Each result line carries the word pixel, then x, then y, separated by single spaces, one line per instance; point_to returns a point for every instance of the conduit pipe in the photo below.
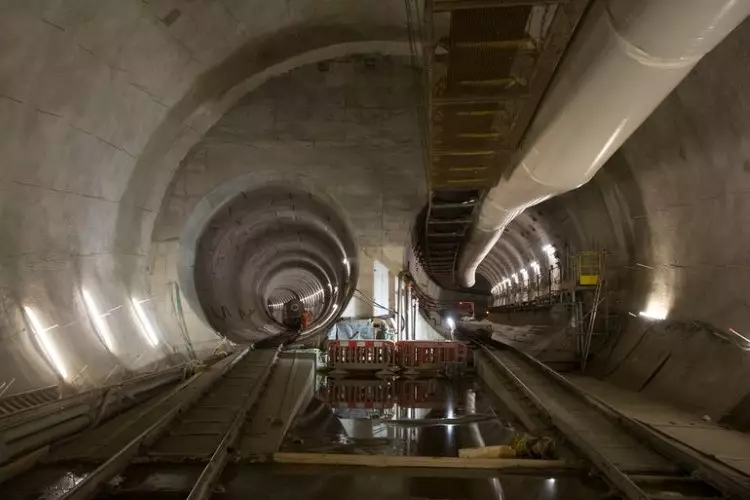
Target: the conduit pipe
pixel 626 58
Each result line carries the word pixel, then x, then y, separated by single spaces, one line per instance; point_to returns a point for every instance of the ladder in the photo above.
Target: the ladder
pixel 586 347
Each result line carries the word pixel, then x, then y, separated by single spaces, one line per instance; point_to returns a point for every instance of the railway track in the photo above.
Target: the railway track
pixel 241 408
pixel 636 461
pixel 219 415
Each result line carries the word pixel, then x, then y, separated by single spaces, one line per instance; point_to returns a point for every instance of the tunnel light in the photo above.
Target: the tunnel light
pixel 100 324
pixel 53 355
pixel 745 339
pixel 550 251
pixel 524 275
pixel 654 312
pixel 514 277
pixel 335 306
pixel 147 328
pixel 311 296
pixel 451 323
pixel 535 266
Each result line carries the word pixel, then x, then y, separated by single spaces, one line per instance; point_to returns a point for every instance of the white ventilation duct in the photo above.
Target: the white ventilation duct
pixel 626 58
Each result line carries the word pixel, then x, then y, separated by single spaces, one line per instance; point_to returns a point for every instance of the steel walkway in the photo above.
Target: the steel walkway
pixel 487 65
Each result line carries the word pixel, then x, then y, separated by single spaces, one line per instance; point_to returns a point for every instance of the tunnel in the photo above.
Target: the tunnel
pixel 268 247
pixel 174 173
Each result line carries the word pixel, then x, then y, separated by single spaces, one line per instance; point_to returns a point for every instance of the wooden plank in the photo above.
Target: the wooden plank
pixel 412 461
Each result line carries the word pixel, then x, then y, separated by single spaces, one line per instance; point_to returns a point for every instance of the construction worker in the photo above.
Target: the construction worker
pixel 305 322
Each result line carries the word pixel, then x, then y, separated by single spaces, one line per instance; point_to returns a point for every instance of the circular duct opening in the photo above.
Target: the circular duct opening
pixel 267 256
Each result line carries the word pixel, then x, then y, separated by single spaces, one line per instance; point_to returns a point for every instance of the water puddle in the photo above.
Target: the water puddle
pixel 421 417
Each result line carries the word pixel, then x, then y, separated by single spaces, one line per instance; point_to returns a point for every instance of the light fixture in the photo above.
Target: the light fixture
pixel 451 323
pixel 745 339
pixel 335 306
pixel 53 355
pixel 550 251
pixel 653 312
pixel 146 326
pixel 100 324
pixel 535 266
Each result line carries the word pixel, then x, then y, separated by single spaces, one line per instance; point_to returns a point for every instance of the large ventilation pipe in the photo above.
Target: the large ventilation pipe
pixel 628 56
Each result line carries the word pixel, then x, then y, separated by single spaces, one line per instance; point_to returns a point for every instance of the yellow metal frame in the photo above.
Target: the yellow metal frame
pixel 588 266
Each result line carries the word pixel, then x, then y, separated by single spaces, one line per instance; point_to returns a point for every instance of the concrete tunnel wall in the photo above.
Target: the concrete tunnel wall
pixel 99 102
pixel 344 129
pixel 671 208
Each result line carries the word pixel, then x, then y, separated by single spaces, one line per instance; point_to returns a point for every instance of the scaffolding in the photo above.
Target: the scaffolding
pixel 577 281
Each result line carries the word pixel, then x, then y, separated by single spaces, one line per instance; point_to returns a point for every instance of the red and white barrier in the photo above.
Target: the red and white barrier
pixel 363 355
pixel 431 355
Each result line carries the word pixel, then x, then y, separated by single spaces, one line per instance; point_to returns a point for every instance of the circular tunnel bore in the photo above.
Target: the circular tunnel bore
pixel 267 252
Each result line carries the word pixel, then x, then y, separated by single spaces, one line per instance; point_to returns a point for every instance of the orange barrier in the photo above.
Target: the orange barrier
pixel 366 355
pixel 431 355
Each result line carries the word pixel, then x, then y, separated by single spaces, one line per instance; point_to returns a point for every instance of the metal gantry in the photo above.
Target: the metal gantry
pixel 486 67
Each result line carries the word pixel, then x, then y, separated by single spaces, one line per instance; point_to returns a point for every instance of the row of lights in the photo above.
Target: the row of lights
pixel 311 296
pixel 652 311
pixel 101 327
pixel 536 269
pixel 315 294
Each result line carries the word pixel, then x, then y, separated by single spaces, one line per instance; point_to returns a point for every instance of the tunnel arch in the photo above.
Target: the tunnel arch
pixel 266 244
pixel 99 121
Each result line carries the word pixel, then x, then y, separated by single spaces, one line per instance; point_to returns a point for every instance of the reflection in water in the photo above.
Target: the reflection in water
pixel 406 417
pixel 394 417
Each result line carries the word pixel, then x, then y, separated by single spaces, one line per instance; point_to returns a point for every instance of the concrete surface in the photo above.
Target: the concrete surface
pixel 289 390
pixel 101 101
pixel 727 446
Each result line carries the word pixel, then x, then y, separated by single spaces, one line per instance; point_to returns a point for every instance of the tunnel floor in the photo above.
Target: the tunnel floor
pixel 371 416
pixel 367 416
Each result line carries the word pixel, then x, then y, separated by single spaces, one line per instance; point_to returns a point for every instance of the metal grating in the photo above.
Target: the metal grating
pixel 488 63
pixel 27 400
